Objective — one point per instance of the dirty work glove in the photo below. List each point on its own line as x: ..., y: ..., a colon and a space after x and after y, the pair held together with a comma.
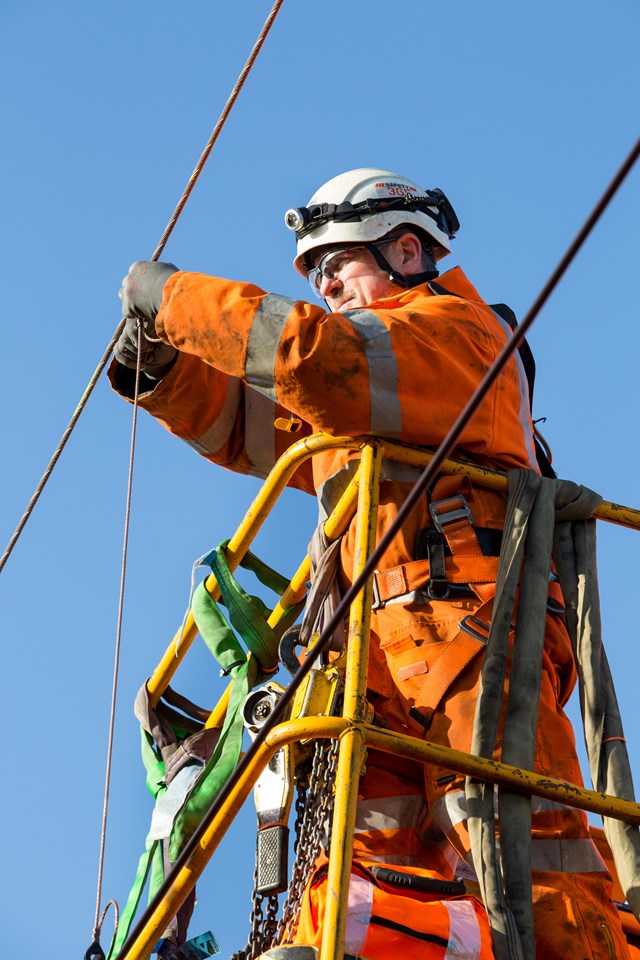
x: 141, y: 295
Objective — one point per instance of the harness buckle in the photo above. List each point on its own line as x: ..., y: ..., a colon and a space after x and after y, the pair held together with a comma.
x: 441, y: 519
x: 438, y: 589
x: 479, y: 630
x: 377, y: 601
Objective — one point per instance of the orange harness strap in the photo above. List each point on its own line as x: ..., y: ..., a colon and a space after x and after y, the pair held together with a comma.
x: 468, y: 564
x: 452, y: 518
x: 406, y: 577
x: 470, y: 640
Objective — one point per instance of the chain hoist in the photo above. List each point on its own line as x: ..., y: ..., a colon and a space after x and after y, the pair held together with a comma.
x: 314, y: 833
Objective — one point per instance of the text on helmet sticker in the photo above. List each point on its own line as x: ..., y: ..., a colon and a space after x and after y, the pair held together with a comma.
x: 392, y: 189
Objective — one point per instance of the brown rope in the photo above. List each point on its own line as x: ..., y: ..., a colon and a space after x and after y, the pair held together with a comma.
x: 226, y: 110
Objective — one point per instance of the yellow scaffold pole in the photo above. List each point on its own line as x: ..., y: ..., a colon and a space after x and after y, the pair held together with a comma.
x: 351, y: 754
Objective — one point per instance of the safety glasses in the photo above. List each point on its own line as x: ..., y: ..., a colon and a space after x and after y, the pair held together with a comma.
x: 335, y: 261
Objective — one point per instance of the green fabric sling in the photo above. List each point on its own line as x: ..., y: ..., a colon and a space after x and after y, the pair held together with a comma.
x: 248, y: 615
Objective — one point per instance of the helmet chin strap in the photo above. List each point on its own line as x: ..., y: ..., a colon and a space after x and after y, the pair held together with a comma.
x: 412, y: 280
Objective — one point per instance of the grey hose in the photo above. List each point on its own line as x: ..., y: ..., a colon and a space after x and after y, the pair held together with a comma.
x: 521, y: 718
x: 510, y: 914
x: 537, y: 505
x: 575, y: 552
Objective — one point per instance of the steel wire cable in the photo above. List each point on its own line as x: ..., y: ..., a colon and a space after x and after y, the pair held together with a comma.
x: 97, y: 923
x: 226, y: 110
x: 444, y: 450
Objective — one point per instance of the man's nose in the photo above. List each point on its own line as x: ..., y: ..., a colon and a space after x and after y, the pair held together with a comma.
x: 329, y: 284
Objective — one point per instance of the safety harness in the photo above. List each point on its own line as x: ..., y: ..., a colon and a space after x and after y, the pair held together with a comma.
x: 186, y: 762
x: 462, y: 561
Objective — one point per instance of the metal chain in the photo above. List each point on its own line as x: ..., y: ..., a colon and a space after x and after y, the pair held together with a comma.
x: 256, y: 919
x: 270, y: 925
x: 302, y: 783
x: 263, y: 925
x: 313, y: 836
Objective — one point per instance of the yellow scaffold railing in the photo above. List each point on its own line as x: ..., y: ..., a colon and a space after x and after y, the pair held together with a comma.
x: 351, y: 729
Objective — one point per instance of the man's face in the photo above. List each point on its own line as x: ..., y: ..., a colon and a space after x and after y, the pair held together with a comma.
x: 351, y: 278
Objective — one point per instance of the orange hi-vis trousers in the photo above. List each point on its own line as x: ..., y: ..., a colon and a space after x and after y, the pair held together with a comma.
x: 433, y: 654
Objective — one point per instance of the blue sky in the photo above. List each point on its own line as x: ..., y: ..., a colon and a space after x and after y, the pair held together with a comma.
x: 521, y: 113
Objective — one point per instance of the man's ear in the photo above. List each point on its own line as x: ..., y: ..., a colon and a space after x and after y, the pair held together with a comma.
x: 411, y: 252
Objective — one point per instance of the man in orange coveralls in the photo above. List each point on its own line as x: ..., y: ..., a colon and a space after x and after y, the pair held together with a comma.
x: 396, y: 354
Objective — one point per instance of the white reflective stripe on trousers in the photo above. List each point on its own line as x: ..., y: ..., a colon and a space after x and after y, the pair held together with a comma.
x: 567, y: 856
x: 464, y: 932
x: 391, y: 813
x: 360, y: 904
x: 450, y: 810
x: 557, y: 855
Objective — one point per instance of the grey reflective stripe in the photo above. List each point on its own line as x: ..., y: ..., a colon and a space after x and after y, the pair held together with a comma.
x: 566, y: 856
x: 525, y: 409
x: 359, y: 907
x: 331, y: 489
x: 263, y: 341
x: 219, y: 431
x: 465, y: 870
x: 464, y: 932
x: 450, y: 810
x: 386, y: 414
x: 391, y: 813
x: 259, y: 432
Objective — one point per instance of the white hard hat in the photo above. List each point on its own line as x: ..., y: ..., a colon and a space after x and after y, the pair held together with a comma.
x: 363, y: 205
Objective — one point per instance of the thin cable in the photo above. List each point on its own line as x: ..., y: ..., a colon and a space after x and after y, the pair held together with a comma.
x: 444, y: 450
x: 116, y: 659
x: 226, y: 110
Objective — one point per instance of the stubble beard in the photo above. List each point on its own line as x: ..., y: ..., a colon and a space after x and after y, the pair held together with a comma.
x: 347, y: 293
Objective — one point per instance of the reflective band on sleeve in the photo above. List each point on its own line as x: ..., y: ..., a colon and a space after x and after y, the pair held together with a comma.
x: 391, y: 813
x: 263, y: 341
x: 259, y: 432
x: 218, y: 433
x: 359, y: 908
x: 450, y: 810
x: 525, y: 408
x: 386, y: 413
x: 566, y: 856
x: 464, y: 932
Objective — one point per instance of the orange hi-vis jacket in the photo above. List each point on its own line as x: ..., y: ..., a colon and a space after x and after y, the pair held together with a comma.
x: 401, y: 368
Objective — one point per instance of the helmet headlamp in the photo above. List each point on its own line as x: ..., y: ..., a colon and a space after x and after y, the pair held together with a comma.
x: 305, y: 219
